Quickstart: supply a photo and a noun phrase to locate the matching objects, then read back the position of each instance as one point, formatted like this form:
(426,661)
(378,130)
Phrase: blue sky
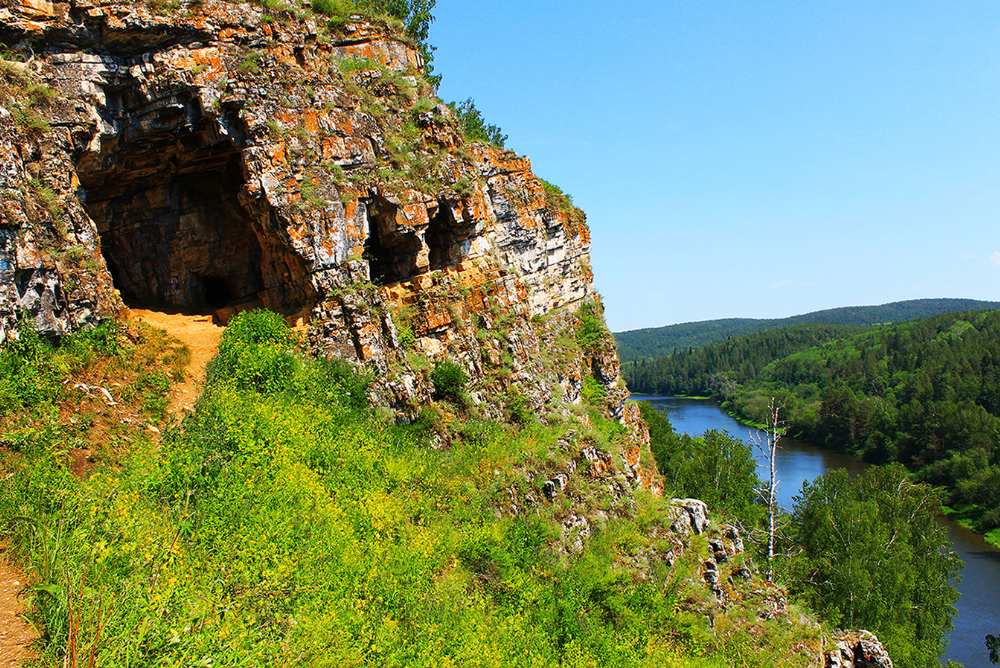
(752,159)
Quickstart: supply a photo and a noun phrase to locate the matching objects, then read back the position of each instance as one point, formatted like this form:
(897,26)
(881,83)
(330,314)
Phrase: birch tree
(767,442)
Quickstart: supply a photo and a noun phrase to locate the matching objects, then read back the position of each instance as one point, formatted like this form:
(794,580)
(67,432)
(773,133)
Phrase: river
(979,605)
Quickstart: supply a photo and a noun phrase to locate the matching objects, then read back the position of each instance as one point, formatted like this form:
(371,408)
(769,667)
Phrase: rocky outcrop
(210,155)
(214,156)
(857,649)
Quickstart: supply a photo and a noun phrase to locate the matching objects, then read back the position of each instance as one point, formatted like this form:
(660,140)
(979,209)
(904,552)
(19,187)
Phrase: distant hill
(650,343)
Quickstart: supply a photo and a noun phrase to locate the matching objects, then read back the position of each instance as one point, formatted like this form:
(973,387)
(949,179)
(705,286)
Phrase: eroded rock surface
(214,156)
(857,649)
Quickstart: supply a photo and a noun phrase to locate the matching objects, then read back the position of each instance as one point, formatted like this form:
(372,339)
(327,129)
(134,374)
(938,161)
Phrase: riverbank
(680,396)
(978,607)
(965,515)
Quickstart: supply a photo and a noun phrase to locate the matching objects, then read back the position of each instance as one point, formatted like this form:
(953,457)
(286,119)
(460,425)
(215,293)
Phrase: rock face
(212,156)
(857,649)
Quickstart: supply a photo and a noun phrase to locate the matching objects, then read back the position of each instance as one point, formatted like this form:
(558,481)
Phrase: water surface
(979,605)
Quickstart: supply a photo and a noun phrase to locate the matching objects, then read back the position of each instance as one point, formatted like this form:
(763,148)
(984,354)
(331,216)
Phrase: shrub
(337,380)
(518,407)
(592,390)
(591,330)
(27,376)
(335,9)
(255,352)
(250,63)
(474,126)
(449,381)
(424,105)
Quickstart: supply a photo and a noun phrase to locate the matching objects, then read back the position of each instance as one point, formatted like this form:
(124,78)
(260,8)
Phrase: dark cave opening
(393,250)
(165,196)
(447,239)
(173,230)
(217,291)
(391,254)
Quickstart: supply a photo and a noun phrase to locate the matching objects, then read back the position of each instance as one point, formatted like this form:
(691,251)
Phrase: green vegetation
(449,382)
(925,394)
(23,96)
(592,334)
(414,16)
(702,371)
(653,343)
(871,555)
(34,373)
(286,520)
(474,126)
(250,64)
(716,468)
(863,552)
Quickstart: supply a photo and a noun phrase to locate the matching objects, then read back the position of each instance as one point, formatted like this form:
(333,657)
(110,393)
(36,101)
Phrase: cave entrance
(178,235)
(391,252)
(173,230)
(447,239)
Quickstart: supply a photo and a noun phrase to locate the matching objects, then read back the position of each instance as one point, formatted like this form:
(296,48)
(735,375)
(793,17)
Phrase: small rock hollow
(447,239)
(165,193)
(393,253)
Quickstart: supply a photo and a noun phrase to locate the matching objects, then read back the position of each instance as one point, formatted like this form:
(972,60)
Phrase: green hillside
(287,518)
(739,359)
(925,394)
(650,343)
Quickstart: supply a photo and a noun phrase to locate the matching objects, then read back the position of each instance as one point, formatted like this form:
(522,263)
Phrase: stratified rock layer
(216,157)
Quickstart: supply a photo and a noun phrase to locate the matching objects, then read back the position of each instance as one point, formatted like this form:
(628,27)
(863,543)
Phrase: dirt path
(16,635)
(200,335)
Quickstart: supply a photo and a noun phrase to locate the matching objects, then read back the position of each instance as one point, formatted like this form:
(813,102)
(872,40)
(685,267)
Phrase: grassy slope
(286,523)
(660,341)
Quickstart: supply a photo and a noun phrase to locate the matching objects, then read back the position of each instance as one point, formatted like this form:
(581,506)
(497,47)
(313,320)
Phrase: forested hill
(655,342)
(702,371)
(925,394)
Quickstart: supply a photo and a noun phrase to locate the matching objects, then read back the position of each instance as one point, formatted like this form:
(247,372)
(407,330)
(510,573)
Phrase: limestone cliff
(209,155)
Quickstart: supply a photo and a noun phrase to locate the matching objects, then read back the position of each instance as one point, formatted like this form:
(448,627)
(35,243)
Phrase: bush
(255,352)
(27,376)
(251,63)
(337,380)
(449,382)
(518,407)
(474,127)
(591,330)
(592,390)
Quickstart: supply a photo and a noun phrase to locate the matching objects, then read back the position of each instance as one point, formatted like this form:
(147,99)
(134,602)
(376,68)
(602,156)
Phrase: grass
(250,64)
(286,522)
(966,515)
(23,97)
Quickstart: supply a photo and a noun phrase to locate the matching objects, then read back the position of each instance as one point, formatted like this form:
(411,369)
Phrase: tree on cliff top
(474,126)
(416,14)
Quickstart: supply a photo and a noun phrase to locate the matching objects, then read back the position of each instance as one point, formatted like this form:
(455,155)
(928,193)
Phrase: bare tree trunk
(768,445)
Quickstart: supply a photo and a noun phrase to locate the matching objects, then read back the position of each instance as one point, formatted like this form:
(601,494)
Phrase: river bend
(797,462)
